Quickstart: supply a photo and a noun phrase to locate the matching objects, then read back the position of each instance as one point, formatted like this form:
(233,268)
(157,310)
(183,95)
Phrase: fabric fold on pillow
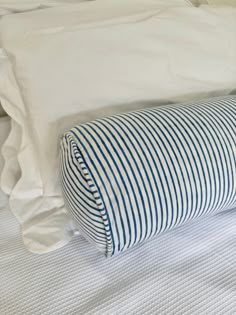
(131,176)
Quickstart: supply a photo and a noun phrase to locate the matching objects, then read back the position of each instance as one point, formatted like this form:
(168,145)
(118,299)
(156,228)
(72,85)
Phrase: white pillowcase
(8,7)
(96,60)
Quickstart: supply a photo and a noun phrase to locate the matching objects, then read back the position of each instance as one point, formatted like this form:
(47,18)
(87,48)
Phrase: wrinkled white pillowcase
(96,61)
(9,7)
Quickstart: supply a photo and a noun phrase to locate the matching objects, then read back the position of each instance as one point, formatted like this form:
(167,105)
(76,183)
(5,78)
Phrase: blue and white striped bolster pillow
(129,177)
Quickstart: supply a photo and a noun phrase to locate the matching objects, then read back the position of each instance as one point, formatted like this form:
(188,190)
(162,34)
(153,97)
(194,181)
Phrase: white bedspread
(188,271)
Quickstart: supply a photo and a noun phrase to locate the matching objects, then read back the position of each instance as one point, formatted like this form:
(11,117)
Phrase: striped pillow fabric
(129,177)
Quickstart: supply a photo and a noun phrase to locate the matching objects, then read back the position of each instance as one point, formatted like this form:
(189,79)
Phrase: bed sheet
(188,271)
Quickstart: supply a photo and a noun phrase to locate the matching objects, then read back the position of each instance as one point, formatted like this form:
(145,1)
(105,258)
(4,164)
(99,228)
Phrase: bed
(47,266)
(196,275)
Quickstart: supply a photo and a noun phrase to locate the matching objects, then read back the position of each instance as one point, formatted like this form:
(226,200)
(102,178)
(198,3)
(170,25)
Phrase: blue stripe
(95,181)
(118,155)
(108,178)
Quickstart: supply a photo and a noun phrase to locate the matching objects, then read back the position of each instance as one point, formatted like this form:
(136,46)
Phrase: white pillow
(8,7)
(93,61)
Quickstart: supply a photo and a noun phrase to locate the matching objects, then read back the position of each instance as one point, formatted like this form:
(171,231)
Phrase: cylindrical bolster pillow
(128,177)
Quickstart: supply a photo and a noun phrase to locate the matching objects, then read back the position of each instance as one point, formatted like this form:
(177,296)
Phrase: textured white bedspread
(191,270)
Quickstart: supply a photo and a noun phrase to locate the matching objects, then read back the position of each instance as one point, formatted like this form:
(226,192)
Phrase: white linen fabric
(96,61)
(187,271)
